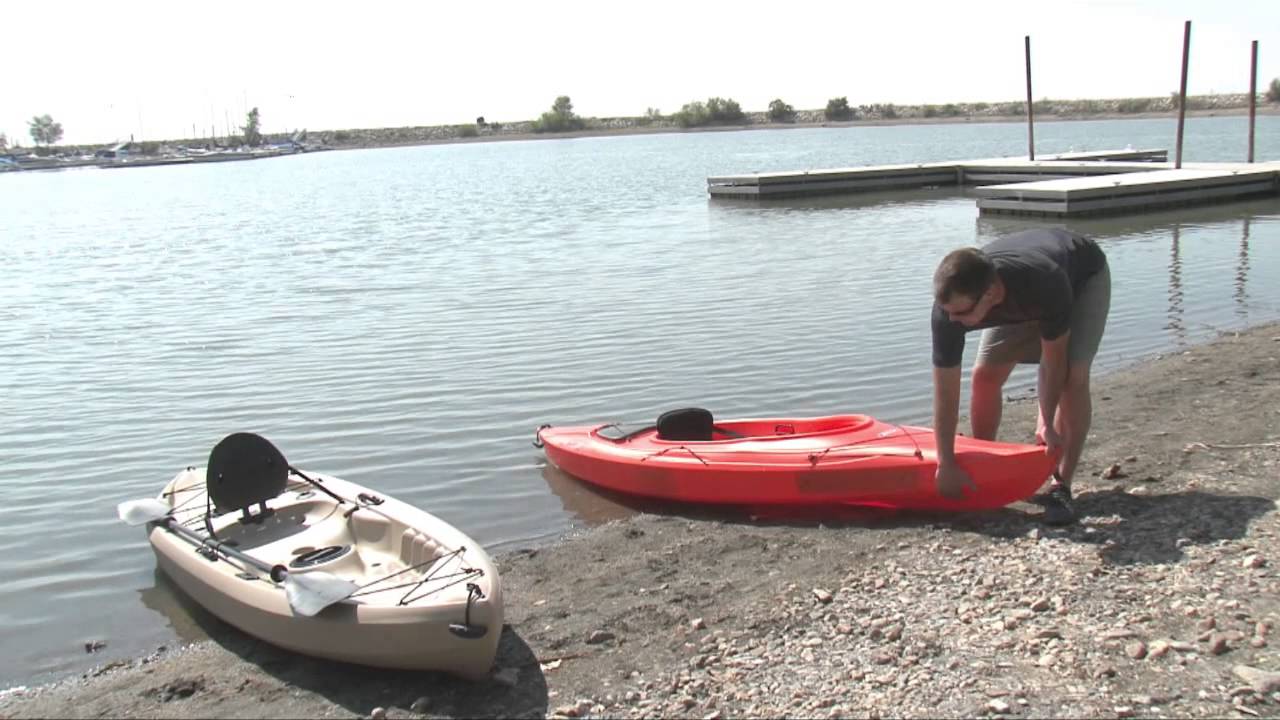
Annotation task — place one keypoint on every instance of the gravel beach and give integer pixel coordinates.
(1164, 601)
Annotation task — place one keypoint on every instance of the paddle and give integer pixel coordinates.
(308, 592)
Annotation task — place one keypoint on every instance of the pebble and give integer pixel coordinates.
(998, 706)
(1262, 681)
(509, 677)
(599, 636)
(378, 713)
(1218, 644)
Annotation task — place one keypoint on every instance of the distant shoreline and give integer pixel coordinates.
(874, 116)
(384, 137)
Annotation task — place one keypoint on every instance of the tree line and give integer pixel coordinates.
(45, 131)
(698, 113)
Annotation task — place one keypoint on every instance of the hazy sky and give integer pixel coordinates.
(106, 70)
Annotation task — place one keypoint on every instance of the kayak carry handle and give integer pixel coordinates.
(465, 629)
(537, 436)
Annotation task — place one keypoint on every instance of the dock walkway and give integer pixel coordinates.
(1108, 181)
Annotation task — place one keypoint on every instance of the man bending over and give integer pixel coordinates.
(1042, 296)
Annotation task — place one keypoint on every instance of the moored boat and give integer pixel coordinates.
(323, 566)
(840, 459)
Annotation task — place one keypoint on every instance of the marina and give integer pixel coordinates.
(1067, 184)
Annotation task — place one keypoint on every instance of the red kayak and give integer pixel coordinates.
(841, 459)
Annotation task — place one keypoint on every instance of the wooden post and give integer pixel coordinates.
(1031, 133)
(1182, 91)
(1253, 94)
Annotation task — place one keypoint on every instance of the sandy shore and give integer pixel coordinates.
(1164, 601)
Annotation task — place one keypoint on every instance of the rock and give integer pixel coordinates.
(1112, 472)
(998, 706)
(378, 713)
(1158, 649)
(1252, 561)
(421, 705)
(599, 636)
(1136, 650)
(698, 624)
(181, 688)
(1262, 681)
(823, 596)
(94, 646)
(1218, 644)
(1040, 605)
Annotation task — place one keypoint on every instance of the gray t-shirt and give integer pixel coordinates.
(1042, 271)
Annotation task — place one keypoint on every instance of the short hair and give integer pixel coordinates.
(967, 271)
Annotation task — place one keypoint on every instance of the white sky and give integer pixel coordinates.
(106, 70)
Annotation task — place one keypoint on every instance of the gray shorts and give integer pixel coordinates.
(1020, 342)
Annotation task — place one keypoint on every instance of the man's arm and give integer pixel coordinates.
(1049, 383)
(951, 480)
(946, 411)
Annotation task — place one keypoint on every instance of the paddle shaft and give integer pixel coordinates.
(222, 547)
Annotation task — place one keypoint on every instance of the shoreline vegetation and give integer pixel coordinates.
(695, 117)
(1163, 601)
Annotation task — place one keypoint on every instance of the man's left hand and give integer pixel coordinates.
(1051, 439)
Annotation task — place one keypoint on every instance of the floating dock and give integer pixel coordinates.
(1108, 181)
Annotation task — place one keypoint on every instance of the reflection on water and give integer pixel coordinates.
(587, 505)
(1195, 242)
(181, 613)
(1242, 274)
(1175, 324)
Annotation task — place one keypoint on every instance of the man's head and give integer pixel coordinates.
(963, 285)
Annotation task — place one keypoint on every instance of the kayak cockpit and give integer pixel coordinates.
(698, 425)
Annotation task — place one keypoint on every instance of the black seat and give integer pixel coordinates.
(685, 424)
(245, 469)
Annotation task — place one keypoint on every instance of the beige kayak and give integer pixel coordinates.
(423, 595)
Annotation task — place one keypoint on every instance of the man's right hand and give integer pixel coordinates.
(953, 481)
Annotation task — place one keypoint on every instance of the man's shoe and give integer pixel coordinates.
(1058, 508)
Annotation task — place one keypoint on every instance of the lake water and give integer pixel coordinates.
(406, 318)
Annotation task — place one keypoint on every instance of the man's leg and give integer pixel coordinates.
(986, 399)
(1075, 405)
(1001, 348)
(1075, 413)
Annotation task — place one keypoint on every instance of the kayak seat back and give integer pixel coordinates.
(245, 469)
(685, 424)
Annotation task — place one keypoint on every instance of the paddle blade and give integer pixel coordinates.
(309, 593)
(137, 512)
